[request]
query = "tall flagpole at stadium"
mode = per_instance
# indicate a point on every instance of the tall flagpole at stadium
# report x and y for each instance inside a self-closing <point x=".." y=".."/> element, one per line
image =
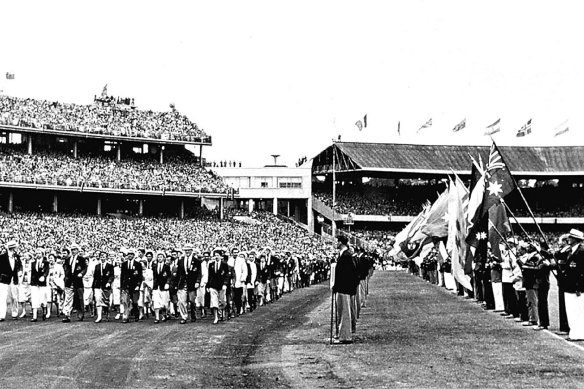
<point x="333" y="223"/>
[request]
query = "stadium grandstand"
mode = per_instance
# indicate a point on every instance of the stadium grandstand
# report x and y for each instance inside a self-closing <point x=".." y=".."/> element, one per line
<point x="380" y="187"/>
<point x="106" y="157"/>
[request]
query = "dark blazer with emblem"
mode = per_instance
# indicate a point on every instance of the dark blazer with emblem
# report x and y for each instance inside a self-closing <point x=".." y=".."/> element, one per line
<point x="188" y="277"/>
<point x="161" y="279"/>
<point x="72" y="273"/>
<point x="43" y="271"/>
<point x="573" y="271"/>
<point x="131" y="277"/>
<point x="101" y="279"/>
<point x="7" y="273"/>
<point x="218" y="278"/>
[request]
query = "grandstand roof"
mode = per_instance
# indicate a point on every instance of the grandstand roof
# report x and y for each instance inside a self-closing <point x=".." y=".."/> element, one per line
<point x="438" y="159"/>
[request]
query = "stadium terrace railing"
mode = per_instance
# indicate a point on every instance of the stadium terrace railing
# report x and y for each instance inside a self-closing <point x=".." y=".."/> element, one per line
<point x="205" y="141"/>
<point x="114" y="190"/>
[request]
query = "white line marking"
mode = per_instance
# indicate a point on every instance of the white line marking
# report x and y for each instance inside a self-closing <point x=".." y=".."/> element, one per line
<point x="559" y="337"/>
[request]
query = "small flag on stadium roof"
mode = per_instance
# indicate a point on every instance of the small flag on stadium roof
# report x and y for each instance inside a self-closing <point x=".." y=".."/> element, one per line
<point x="104" y="91"/>
<point x="459" y="126"/>
<point x="399" y="128"/>
<point x="9" y="76"/>
<point x="365" y="121"/>
<point x="562" y="128"/>
<point x="525" y="129"/>
<point x="426" y="125"/>
<point x="493" y="128"/>
<point x="359" y="125"/>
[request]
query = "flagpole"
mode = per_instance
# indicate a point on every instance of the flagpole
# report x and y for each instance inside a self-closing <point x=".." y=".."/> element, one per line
<point x="522" y="196"/>
<point x="514" y="217"/>
<point x="333" y="224"/>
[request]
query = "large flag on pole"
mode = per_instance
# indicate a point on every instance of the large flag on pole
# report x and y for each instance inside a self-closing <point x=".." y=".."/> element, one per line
<point x="426" y="125"/>
<point x="437" y="221"/>
<point x="499" y="182"/>
<point x="457" y="233"/>
<point x="493" y="128"/>
<point x="9" y="76"/>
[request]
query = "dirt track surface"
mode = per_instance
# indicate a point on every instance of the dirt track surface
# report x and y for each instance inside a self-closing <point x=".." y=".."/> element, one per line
<point x="412" y="334"/>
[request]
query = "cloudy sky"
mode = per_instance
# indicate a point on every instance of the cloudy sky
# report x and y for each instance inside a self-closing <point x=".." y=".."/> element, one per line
<point x="271" y="77"/>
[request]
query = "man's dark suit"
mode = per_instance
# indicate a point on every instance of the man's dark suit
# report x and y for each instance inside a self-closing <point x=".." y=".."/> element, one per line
<point x="130" y="280"/>
<point x="8" y="273"/>
<point x="101" y="279"/>
<point x="189" y="277"/>
<point x="74" y="268"/>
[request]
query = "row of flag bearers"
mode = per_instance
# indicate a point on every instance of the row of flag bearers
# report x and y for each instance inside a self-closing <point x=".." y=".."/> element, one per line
<point x="471" y="229"/>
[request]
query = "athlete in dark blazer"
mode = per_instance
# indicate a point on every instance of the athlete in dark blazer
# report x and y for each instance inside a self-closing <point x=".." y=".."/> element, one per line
<point x="103" y="278"/>
<point x="130" y="280"/>
<point x="74" y="268"/>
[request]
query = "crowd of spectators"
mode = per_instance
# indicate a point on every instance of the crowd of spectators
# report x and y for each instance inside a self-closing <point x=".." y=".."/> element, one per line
<point x="99" y="118"/>
<point x="367" y="200"/>
<point x="93" y="233"/>
<point x="370" y="201"/>
<point x="51" y="168"/>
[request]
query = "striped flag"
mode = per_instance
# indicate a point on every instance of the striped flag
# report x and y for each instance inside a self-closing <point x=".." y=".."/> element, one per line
<point x="426" y="125"/>
<point x="458" y="197"/>
<point x="459" y="126"/>
<point x="9" y="76"/>
<point x="493" y="128"/>
<point x="562" y="128"/>
<point x="525" y="129"/>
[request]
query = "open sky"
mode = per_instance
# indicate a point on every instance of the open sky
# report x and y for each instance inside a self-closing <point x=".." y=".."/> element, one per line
<point x="275" y="77"/>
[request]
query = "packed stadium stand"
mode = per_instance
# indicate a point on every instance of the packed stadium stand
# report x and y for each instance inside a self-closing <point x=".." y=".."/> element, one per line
<point x="106" y="157"/>
<point x="382" y="186"/>
<point x="107" y="116"/>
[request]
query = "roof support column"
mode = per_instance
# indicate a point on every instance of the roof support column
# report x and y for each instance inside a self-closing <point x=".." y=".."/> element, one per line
<point x="10" y="202"/>
<point x="98" y="206"/>
<point x="221" y="208"/>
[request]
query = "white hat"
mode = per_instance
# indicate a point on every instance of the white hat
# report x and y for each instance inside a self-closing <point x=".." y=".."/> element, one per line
<point x="74" y="246"/>
<point x="188" y="246"/>
<point x="574" y="233"/>
<point x="12" y="244"/>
